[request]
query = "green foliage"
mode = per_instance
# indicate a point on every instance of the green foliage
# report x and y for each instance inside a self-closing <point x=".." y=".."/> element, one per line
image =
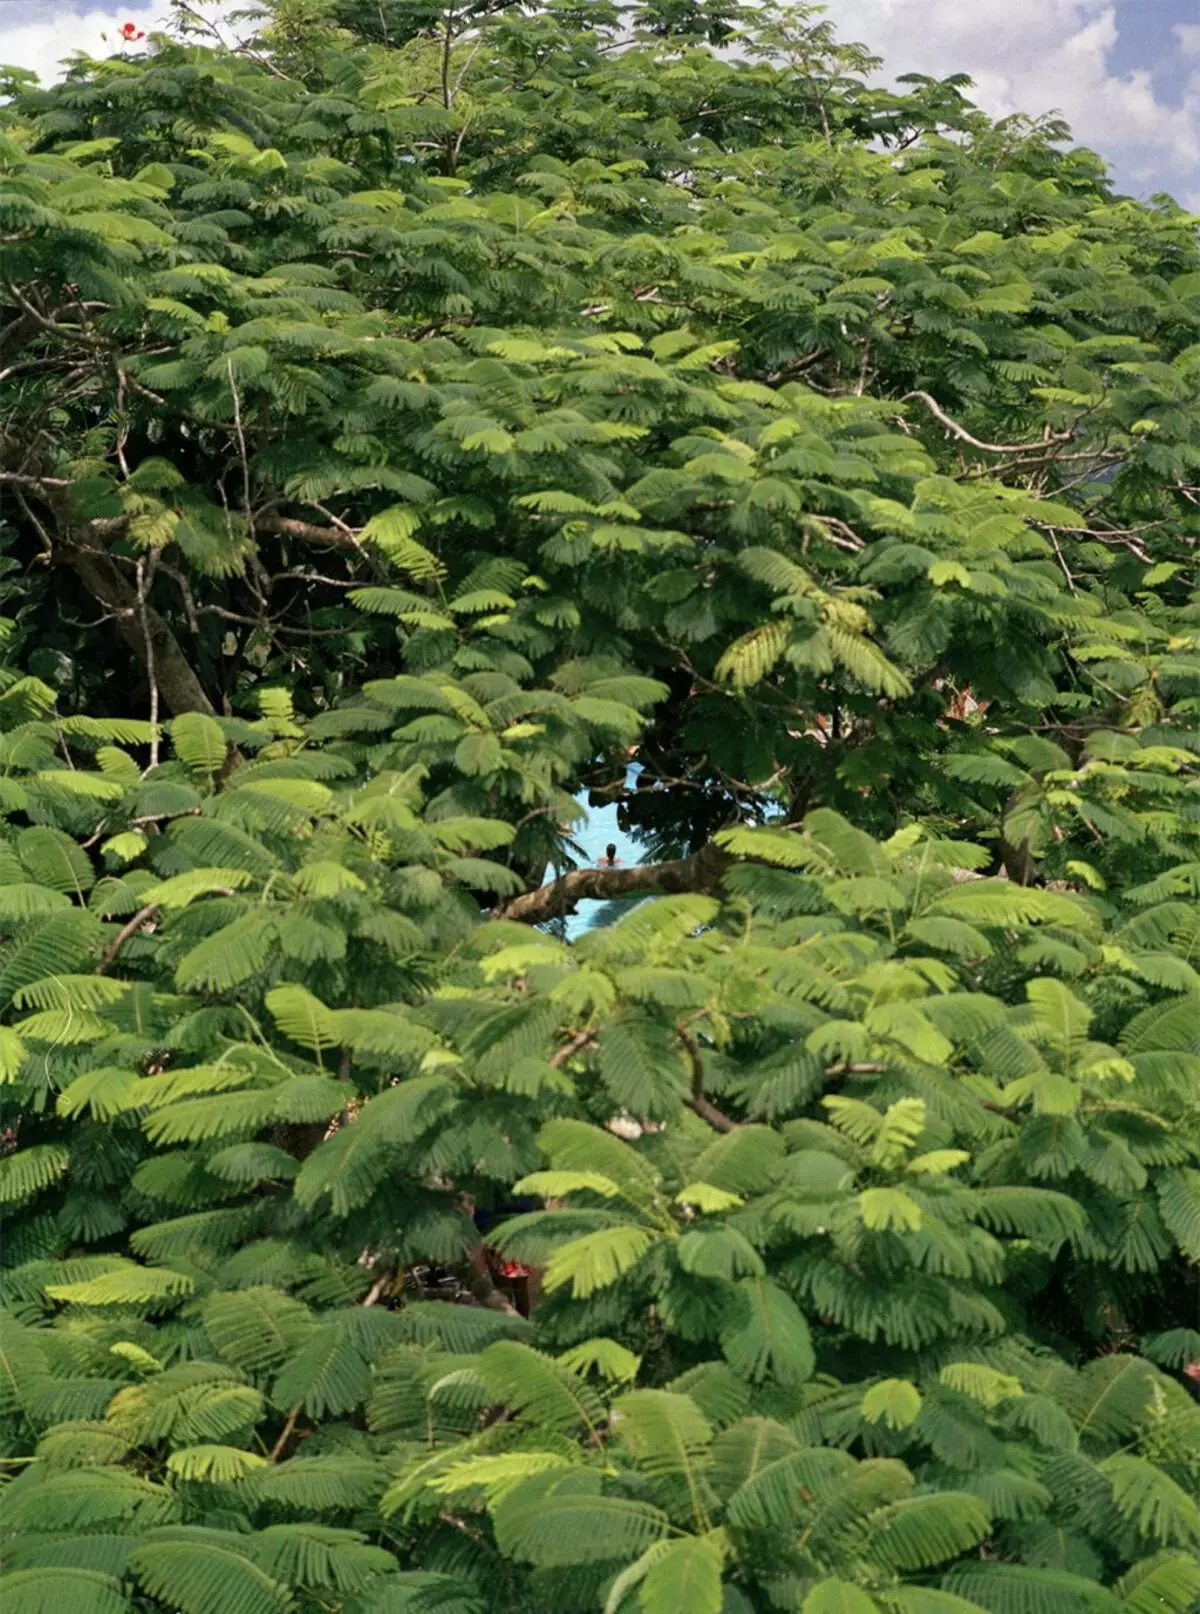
<point x="443" y="409"/>
<point x="845" y="1328"/>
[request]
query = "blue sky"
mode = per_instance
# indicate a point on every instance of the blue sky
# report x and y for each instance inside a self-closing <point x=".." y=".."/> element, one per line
<point x="1147" y="40"/>
<point x="1124" y="73"/>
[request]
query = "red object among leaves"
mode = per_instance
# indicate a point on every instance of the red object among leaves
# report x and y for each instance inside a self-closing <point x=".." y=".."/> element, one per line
<point x="1192" y="1370"/>
<point x="131" y="31"/>
<point x="502" y="1268"/>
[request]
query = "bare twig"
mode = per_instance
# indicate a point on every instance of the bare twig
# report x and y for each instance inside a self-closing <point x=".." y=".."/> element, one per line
<point x="313" y="577"/>
<point x="71" y="332"/>
<point x="143" y="391"/>
<point x="44" y="539"/>
<point x="794" y="367"/>
<point x="204" y="25"/>
<point x="189" y="604"/>
<point x="447" y="44"/>
<point x="838" y="533"/>
<point x="122" y="424"/>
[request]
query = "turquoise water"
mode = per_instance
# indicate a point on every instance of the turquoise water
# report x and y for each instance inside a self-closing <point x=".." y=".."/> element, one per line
<point x="596" y="832"/>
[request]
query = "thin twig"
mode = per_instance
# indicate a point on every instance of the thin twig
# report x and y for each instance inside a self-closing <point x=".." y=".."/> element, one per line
<point x="286" y="1434"/>
<point x="851" y="542"/>
<point x="44" y="539"/>
<point x="241" y="437"/>
<point x="1066" y="570"/>
<point x="122" y="424"/>
<point x="447" y="45"/>
<point x="242" y="47"/>
<point x="189" y="604"/>
<point x="72" y="333"/>
<point x="289" y="527"/>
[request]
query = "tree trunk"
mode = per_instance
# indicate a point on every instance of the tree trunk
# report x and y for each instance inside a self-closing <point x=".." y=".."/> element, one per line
<point x="178" y="685"/>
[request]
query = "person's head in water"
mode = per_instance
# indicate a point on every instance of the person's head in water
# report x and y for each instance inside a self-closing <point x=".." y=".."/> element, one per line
<point x="610" y="852"/>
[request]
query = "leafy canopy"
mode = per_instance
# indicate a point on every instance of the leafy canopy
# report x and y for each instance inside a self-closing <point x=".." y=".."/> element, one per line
<point x="407" y="423"/>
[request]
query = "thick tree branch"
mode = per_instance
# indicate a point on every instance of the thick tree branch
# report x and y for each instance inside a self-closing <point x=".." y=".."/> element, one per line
<point x="288" y="527"/>
<point x="708" y="1111"/>
<point x="703" y="871"/>
<point x="145" y="634"/>
<point x="964" y="436"/>
<point x="37" y="483"/>
<point x="144" y="576"/>
<point x="580" y="1040"/>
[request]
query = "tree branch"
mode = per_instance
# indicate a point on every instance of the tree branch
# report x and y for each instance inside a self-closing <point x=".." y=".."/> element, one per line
<point x="289" y="527"/>
<point x="143" y="584"/>
<point x="126" y="931"/>
<point x="703" y="871"/>
<point x="144" y="631"/>
<point x="36" y="482"/>
<point x="704" y="1107"/>
<point x="581" y="1039"/>
<point x="964" y="436"/>
<point x="288" y="1429"/>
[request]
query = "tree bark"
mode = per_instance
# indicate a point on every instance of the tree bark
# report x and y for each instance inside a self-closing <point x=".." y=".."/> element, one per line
<point x="180" y="688"/>
<point x="1019" y="863"/>
<point x="702" y="872"/>
<point x="704" y="1107"/>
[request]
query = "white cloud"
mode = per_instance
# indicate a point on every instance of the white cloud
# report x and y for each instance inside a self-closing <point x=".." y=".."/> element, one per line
<point x="1029" y="56"/>
<point x="45" y="44"/>
<point x="1039" y="56"/>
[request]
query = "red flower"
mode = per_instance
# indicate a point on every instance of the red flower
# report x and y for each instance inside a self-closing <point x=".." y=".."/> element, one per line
<point x="131" y="31"/>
